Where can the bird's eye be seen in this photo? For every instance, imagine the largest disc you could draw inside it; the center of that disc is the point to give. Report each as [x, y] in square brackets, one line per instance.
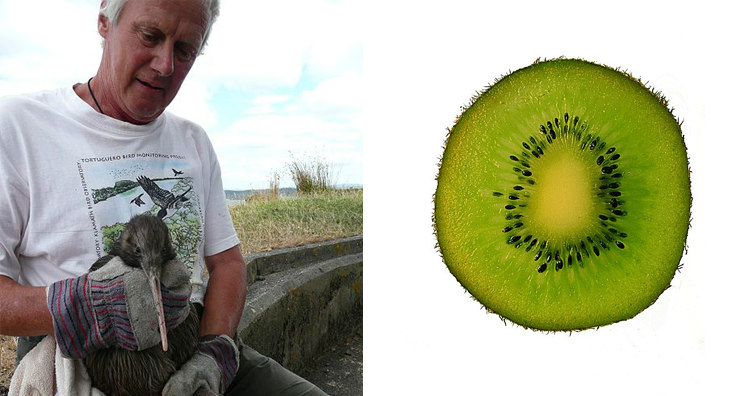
[138, 250]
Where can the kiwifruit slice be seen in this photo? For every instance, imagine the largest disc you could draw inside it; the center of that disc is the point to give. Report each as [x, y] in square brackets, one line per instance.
[563, 196]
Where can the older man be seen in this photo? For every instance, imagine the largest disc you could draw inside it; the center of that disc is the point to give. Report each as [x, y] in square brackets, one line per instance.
[79, 162]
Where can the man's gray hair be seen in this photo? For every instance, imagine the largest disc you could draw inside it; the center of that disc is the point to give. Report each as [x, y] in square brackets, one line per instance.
[111, 10]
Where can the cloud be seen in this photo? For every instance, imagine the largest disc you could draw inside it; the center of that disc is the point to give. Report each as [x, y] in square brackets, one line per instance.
[337, 98]
[193, 103]
[324, 121]
[257, 45]
[267, 142]
[43, 50]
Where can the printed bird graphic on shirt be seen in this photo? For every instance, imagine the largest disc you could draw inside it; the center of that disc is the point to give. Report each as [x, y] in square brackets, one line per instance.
[137, 200]
[168, 202]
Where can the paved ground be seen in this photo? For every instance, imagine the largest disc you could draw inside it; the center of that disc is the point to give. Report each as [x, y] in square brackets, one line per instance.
[339, 371]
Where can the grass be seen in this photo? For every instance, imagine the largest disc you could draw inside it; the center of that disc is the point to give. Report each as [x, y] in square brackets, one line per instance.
[265, 224]
[268, 224]
[311, 175]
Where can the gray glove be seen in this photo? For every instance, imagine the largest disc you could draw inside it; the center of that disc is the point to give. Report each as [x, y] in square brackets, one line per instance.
[114, 306]
[212, 367]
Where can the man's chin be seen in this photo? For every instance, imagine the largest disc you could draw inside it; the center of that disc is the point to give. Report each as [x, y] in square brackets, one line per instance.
[144, 115]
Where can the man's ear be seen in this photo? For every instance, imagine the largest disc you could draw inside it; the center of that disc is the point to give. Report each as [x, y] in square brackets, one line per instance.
[103, 23]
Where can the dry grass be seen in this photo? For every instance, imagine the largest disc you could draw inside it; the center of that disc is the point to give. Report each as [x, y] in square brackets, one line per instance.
[311, 175]
[264, 224]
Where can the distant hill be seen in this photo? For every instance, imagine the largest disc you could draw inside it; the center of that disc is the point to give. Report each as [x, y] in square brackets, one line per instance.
[240, 195]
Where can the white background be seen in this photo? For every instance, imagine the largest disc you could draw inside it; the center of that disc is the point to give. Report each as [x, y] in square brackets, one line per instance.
[423, 333]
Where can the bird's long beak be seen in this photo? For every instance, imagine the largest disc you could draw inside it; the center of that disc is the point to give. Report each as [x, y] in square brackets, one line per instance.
[156, 291]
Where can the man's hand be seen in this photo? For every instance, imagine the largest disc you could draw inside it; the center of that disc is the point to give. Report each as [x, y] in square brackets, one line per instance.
[213, 367]
[113, 306]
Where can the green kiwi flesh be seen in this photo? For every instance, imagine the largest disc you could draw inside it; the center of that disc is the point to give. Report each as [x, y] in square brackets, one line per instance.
[563, 197]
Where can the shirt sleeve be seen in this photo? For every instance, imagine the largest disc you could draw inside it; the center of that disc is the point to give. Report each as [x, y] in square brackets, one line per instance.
[220, 232]
[14, 196]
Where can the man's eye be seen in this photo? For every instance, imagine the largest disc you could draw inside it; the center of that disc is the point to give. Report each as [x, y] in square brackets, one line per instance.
[149, 38]
[184, 54]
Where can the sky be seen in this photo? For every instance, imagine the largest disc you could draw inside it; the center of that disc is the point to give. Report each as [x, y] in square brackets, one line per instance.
[279, 81]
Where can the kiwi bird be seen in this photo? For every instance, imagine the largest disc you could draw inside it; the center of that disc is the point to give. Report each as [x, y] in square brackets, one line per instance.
[168, 202]
[145, 244]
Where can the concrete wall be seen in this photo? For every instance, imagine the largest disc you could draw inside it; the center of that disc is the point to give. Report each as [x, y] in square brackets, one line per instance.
[303, 300]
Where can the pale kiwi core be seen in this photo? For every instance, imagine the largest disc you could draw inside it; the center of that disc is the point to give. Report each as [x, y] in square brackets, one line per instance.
[562, 205]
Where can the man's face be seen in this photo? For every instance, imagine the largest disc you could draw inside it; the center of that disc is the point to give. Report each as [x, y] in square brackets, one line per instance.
[147, 55]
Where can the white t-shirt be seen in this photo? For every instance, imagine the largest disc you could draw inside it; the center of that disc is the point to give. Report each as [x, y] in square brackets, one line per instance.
[71, 177]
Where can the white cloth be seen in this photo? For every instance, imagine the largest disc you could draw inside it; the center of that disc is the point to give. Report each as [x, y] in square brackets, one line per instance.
[73, 176]
[37, 375]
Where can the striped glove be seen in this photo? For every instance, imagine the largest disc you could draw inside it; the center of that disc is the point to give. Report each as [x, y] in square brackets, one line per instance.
[113, 306]
[212, 367]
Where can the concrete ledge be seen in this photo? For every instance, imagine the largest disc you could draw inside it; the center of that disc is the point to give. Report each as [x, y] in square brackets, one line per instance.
[262, 264]
[304, 306]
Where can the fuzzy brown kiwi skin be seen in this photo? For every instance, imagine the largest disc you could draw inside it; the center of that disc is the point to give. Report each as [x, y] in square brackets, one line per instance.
[656, 94]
